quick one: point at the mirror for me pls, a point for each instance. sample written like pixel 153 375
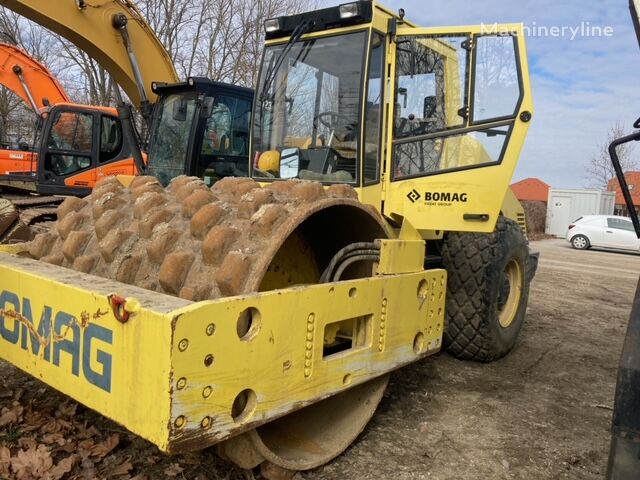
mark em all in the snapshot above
pixel 180 110
pixel 402 92
pixel 430 106
pixel 289 101
pixel 83 162
pixel 207 107
pixel 289 163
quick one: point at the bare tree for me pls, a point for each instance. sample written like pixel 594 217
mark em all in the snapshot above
pixel 599 171
pixel 218 39
pixel 90 83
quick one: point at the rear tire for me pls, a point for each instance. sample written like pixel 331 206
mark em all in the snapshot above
pixel 487 291
pixel 580 242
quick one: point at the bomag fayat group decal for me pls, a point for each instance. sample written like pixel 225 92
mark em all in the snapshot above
pixel 437 199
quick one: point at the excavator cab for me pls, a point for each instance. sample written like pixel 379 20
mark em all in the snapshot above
pixel 77 146
pixel 80 145
pixel 200 127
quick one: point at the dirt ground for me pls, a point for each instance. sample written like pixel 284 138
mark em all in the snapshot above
pixel 541 413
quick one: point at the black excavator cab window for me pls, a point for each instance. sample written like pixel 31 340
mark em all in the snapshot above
pixel 171 135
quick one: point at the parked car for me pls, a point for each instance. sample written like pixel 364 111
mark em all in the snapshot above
pixel 603 231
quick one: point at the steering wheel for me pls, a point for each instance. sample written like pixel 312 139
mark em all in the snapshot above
pixel 332 120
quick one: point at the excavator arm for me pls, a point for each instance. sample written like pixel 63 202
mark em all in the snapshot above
pixel 96 27
pixel 29 79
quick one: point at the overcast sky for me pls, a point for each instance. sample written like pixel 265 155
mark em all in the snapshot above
pixel 580 86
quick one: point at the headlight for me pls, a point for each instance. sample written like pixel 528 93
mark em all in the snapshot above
pixel 272 25
pixel 349 10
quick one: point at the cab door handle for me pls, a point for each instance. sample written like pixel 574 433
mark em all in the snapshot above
pixel 476 217
pixel 608 231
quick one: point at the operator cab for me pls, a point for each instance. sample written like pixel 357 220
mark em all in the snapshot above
pixel 426 123
pixel 76 146
pixel 200 128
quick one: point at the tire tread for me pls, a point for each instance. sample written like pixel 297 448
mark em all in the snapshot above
pixel 468 258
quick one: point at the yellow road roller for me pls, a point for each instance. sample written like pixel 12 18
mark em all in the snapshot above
pixel 264 315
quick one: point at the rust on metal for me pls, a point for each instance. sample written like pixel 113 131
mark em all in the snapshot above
pixel 44 342
pixel 118 308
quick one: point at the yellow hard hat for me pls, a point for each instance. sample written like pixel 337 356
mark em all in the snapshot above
pixel 269 161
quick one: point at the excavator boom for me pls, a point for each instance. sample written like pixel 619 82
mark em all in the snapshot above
pixel 90 25
pixel 29 79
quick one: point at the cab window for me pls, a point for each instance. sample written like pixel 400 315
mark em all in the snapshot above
pixel 110 138
pixel 430 84
pixel 440 123
pixel 307 121
pixel 225 142
pixel 227 128
pixel 373 109
pixel 171 134
pixel 72 131
pixel 496 88
pixel 70 143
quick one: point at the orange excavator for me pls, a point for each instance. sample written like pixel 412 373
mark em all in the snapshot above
pixel 60 162
pixel 39 89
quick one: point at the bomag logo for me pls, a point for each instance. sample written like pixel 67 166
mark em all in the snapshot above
pixel 445 197
pixel 437 198
pixel 58 335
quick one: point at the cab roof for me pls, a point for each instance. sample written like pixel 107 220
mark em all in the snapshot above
pixel 201 85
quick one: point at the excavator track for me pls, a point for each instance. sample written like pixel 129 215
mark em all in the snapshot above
pixel 22 217
pixel 236 237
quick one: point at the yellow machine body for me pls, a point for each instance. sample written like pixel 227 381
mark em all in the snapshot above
pixel 187 359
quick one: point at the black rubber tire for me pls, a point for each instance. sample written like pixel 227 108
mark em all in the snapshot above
pixel 587 244
pixel 475 263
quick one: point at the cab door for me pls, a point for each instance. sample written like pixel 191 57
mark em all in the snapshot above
pixel 115 156
pixel 461 106
pixel 221 144
pixel 68 152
